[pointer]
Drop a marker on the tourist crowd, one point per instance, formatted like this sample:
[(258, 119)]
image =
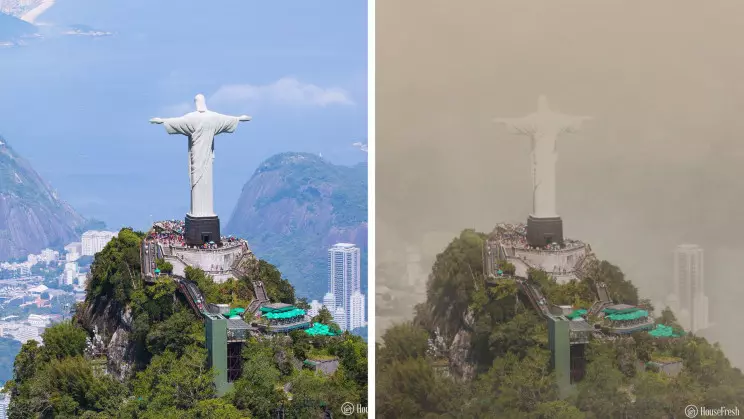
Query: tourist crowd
[(170, 233), (515, 235)]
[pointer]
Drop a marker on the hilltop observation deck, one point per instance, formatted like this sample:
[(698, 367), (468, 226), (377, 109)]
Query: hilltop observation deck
[(166, 241), (282, 318), (621, 319), (508, 242)]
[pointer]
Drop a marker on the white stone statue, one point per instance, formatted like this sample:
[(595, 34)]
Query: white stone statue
[(201, 127), (543, 128)]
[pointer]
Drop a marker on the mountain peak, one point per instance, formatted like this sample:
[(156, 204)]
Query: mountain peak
[(296, 205), (32, 216)]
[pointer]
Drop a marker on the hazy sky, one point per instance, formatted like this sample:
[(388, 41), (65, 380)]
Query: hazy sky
[(77, 107), (660, 164)]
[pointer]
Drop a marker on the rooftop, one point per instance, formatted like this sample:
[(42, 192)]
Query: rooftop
[(621, 307), (276, 307), (344, 245), (580, 326), (236, 324)]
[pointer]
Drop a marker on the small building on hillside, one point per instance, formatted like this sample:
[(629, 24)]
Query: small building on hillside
[(670, 366), (326, 365)]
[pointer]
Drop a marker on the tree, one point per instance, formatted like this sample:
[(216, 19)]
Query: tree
[(325, 317), (302, 303), (163, 266), (215, 409), (62, 340), (175, 334), (454, 277), (256, 389), (115, 272), (170, 381), (401, 342), (412, 389)]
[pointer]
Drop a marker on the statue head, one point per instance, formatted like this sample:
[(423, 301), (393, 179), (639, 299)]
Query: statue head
[(201, 103), (542, 103)]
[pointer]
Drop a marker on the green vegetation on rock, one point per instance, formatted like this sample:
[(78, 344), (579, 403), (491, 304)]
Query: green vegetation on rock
[(475, 350), (136, 350)]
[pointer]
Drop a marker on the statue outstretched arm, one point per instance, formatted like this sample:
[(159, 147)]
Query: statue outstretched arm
[(178, 125), (523, 126), (228, 123), (572, 124)]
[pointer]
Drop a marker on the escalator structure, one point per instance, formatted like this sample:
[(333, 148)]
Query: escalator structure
[(225, 337), (567, 339)]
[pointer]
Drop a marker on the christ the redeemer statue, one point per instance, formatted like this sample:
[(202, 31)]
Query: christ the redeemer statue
[(202, 224), (201, 127), (543, 127)]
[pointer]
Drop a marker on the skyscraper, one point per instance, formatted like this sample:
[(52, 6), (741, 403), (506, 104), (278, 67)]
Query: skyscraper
[(688, 300), (94, 241), (329, 302), (356, 315), (340, 317), (344, 273)]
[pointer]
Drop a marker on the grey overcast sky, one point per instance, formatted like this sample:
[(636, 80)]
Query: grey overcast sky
[(660, 164)]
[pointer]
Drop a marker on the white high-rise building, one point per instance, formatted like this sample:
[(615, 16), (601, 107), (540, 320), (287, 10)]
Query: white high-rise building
[(329, 302), (688, 300), (94, 241), (356, 317), (315, 307), (73, 251), (4, 405), (71, 272), (48, 255), (344, 273), (340, 317)]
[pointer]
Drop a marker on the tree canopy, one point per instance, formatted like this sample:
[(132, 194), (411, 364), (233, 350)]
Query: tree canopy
[(470, 322), (165, 341)]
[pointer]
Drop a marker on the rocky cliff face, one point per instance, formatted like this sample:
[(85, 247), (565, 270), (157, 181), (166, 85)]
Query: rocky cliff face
[(32, 216), (111, 325), (294, 207)]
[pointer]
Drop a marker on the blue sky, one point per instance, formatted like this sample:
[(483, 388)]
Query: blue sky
[(77, 106)]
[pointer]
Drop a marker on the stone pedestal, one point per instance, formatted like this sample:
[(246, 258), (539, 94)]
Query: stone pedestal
[(201, 230), (543, 231)]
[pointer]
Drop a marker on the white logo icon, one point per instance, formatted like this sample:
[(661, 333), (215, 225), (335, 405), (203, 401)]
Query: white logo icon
[(348, 408), (691, 411)]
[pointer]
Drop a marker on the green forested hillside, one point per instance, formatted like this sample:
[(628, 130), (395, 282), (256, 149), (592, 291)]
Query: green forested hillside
[(467, 324), (166, 374)]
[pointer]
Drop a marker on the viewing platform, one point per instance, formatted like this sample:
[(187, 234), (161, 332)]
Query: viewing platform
[(282, 318), (166, 241), (509, 242), (623, 319)]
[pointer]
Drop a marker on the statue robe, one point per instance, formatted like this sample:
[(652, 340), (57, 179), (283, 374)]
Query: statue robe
[(201, 128), (543, 128)]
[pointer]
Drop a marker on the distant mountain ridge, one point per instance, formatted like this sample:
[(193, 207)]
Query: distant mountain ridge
[(13, 29), (294, 207), (32, 216)]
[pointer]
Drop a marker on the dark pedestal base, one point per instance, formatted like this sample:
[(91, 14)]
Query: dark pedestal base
[(544, 231), (201, 230)]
